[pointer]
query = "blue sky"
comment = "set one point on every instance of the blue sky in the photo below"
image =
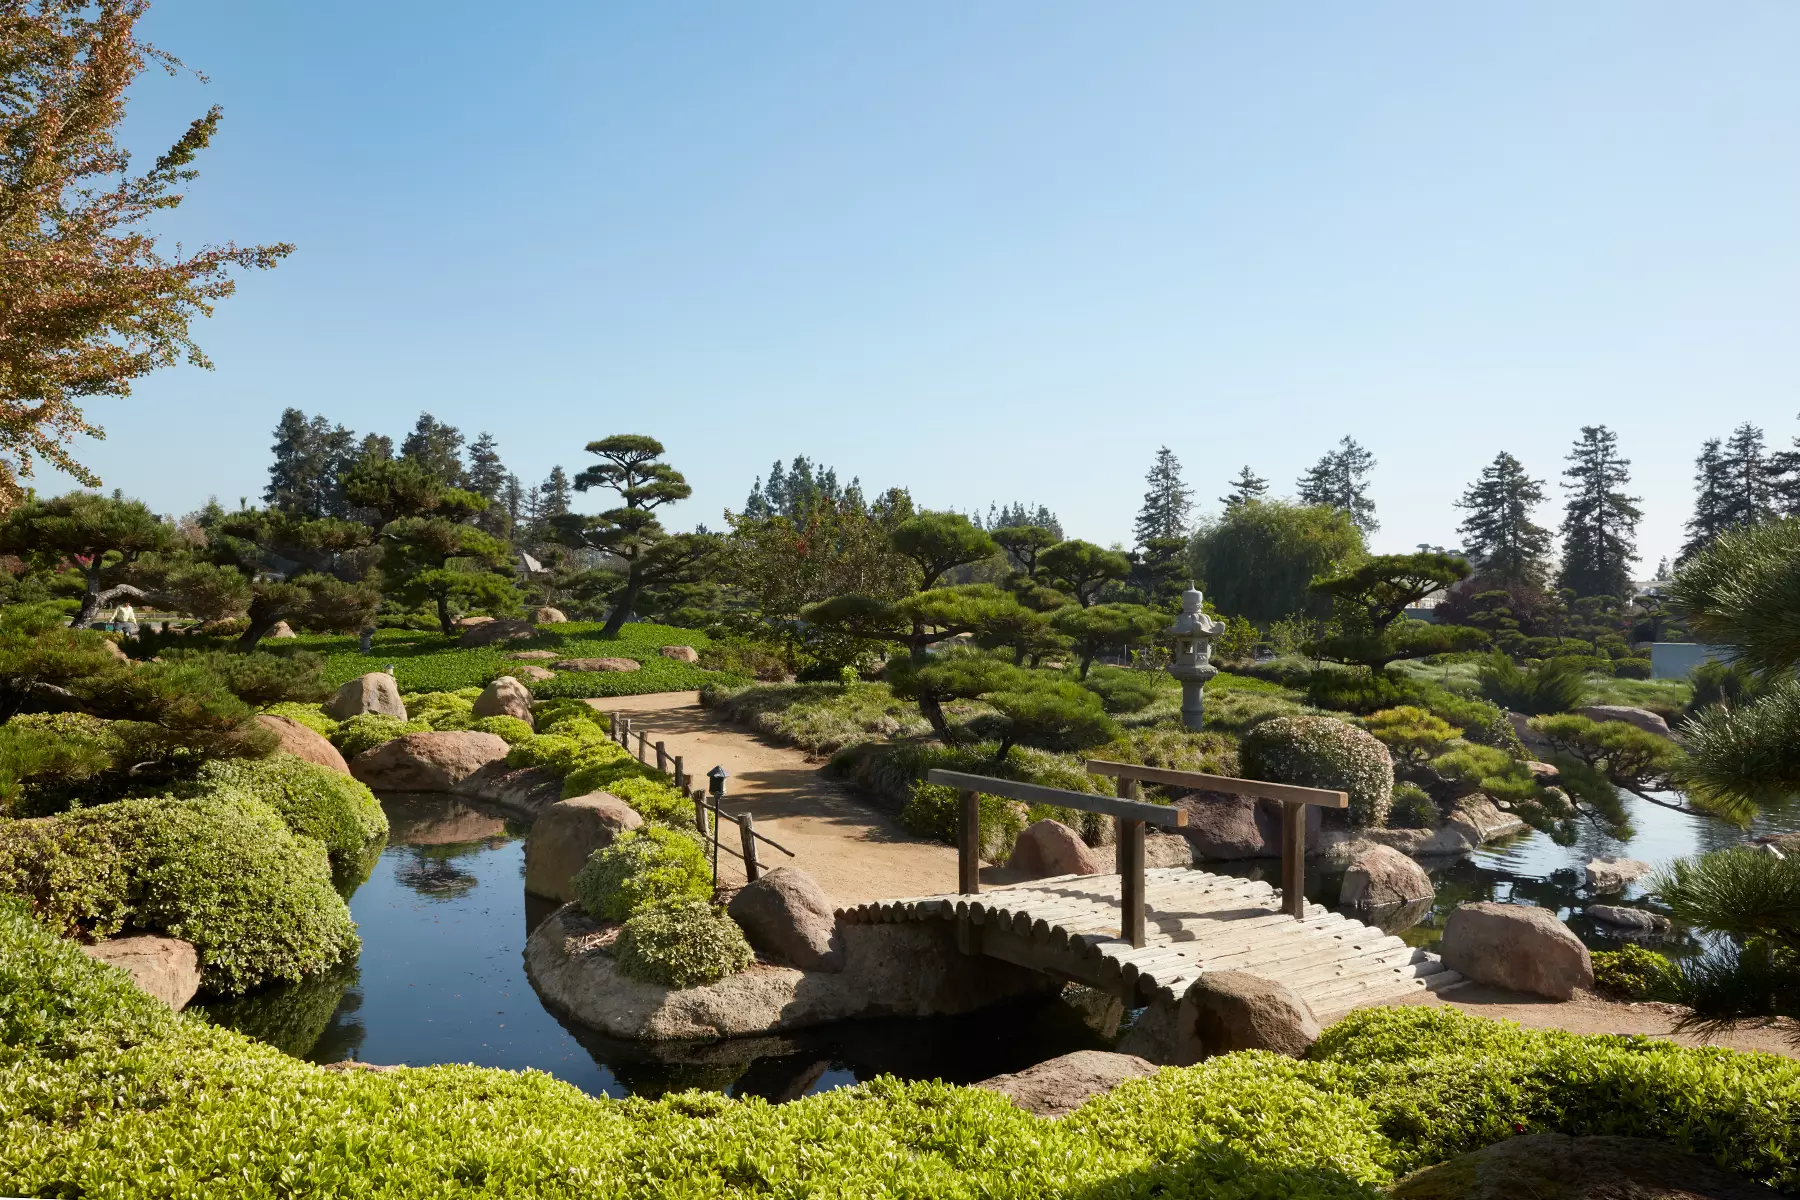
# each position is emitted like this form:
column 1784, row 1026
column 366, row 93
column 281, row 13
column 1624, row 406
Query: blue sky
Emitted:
column 991, row 252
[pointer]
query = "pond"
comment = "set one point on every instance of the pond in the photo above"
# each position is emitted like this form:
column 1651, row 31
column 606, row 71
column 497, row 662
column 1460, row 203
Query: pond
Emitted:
column 444, row 917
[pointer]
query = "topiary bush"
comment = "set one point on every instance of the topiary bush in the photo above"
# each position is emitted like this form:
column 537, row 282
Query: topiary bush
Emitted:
column 1323, row 752
column 229, row 876
column 1122, row 690
column 650, row 865
column 442, row 711
column 681, row 945
column 369, row 730
column 316, row 801
column 1631, row 668
column 510, row 729
column 1413, row 808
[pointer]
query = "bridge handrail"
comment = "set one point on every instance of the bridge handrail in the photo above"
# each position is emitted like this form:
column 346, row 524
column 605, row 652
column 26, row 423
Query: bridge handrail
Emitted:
column 1261, row 789
column 1037, row 793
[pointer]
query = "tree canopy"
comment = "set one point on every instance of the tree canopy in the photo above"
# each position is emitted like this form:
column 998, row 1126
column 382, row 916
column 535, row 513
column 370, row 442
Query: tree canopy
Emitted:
column 1259, row 558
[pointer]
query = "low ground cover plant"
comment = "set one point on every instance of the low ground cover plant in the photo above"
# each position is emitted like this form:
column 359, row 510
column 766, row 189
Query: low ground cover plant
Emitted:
column 109, row 1093
column 653, row 866
column 315, row 801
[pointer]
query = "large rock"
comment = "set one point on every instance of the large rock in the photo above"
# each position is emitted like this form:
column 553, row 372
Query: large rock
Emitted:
column 1613, row 874
column 282, row 630
column 787, row 917
column 1643, row 718
column 530, row 655
column 1224, row 827
column 1061, row 1085
column 548, row 616
column 505, row 697
column 523, row 792
column 910, row 969
column 427, row 762
column 1516, row 946
column 1381, row 876
column 1533, row 741
column 1167, row 850
column 686, row 654
column 301, row 742
column 598, row 664
column 1051, row 848
column 167, row 968
column 1482, row 821
column 376, row 692
column 489, row 632
column 563, row 836
column 1633, row 920
column 1555, row 1166
column 470, row 622
column 530, row 672
column 1220, row 1012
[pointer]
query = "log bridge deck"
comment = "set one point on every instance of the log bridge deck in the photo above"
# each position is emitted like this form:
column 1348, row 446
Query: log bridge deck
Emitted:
column 1146, row 934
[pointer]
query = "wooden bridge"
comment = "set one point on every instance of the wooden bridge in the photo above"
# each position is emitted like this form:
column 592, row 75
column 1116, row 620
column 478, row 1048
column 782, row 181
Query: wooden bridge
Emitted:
column 1146, row 934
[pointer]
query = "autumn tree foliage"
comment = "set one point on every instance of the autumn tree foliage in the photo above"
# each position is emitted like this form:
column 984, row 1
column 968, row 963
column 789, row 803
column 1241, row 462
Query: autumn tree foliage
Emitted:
column 89, row 302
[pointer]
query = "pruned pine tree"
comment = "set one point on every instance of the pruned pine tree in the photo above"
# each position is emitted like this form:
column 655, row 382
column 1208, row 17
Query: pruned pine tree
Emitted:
column 1340, row 480
column 1167, row 503
column 1710, row 503
column 1246, row 487
column 1499, row 533
column 1600, row 521
column 310, row 455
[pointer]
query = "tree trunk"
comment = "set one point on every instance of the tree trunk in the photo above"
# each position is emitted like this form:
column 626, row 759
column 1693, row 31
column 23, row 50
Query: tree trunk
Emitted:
column 622, row 610
column 1087, row 660
column 90, row 597
column 443, row 607
column 260, row 627
column 933, row 712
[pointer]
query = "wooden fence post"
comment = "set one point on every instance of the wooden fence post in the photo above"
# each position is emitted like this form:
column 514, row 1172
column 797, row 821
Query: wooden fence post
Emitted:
column 747, row 836
column 643, row 750
column 662, row 758
column 699, row 798
column 681, row 779
column 1129, row 857
column 968, row 843
column 1293, row 858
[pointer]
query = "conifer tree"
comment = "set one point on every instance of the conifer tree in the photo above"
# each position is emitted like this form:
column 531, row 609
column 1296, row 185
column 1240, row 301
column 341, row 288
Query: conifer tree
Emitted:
column 437, row 447
column 1167, row 503
column 1340, row 480
column 310, row 454
column 1246, row 487
column 553, row 496
column 1600, row 521
column 487, row 479
column 1710, row 502
column 1752, row 477
column 1499, row 533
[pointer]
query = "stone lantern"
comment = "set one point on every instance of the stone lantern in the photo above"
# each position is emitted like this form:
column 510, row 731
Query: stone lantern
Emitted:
column 1192, row 660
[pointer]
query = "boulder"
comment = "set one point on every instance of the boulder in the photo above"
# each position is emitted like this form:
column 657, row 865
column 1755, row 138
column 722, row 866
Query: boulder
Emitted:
column 1545, row 772
column 548, row 616
column 785, row 916
column 470, row 622
column 531, row 673
column 375, row 692
column 1555, row 1166
column 686, row 654
column 1534, row 741
column 505, row 697
column 1224, row 1011
column 1643, row 718
column 489, row 632
column 1380, row 876
column 533, row 655
column 563, row 836
column 1339, row 846
column 1224, row 827
column 167, row 968
column 282, row 630
column 1167, row 850
column 1635, row 920
column 113, row 648
column 598, row 664
column 1482, row 821
column 1516, row 946
column 522, row 791
column 301, row 742
column 427, row 762
column 1061, row 1085
column 1613, row 874
column 1051, row 848
column 909, row 969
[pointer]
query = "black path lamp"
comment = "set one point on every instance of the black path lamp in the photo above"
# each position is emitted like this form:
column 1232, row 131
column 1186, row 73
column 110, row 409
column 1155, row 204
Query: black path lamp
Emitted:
column 715, row 782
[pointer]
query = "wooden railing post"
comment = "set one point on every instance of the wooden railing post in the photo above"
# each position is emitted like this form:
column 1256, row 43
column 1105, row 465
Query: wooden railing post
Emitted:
column 1293, row 858
column 662, row 758
column 699, row 798
column 681, row 779
column 747, row 837
column 1129, row 856
column 643, row 749
column 622, row 729
column 968, row 842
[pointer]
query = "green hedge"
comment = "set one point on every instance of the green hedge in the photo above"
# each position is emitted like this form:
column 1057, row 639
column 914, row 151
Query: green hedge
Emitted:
column 229, row 876
column 646, row 867
column 316, row 801
column 106, row 1093
column 1324, row 752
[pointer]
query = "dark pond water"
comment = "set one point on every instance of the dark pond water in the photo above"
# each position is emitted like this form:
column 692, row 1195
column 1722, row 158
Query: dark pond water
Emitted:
column 444, row 917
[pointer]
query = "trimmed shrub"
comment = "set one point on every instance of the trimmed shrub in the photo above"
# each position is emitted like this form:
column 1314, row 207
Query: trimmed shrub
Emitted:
column 554, row 712
column 654, row 800
column 316, row 801
column 681, row 945
column 1121, row 690
column 310, row 715
column 1412, row 735
column 650, row 865
column 442, row 711
column 512, row 730
column 1413, row 808
column 1631, row 668
column 548, row 751
column 1327, row 753
column 227, row 875
column 369, row 730
column 934, row 811
column 1634, row 973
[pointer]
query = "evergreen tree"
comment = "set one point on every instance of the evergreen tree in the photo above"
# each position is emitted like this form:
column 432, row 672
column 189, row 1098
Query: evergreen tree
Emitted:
column 1246, row 487
column 487, row 479
column 310, row 454
column 1499, row 533
column 437, row 447
column 1340, row 480
column 1752, row 476
column 552, row 497
column 1600, row 521
column 512, row 502
column 1710, row 501
column 794, row 491
column 1018, row 515
column 1167, row 503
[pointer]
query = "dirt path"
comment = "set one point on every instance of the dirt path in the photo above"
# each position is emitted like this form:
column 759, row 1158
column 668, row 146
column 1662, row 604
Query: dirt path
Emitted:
column 855, row 851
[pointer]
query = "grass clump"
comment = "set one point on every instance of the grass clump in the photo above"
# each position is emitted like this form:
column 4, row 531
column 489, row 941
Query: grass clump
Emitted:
column 511, row 730
column 651, row 865
column 366, row 731
column 681, row 945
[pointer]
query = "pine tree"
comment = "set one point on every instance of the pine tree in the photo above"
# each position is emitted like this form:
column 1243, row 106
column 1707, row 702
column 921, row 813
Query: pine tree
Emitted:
column 790, row 492
column 438, row 448
column 486, row 477
column 1246, row 487
column 1752, row 476
column 553, row 496
column 1019, row 515
column 1710, row 500
column 1340, row 480
column 1499, row 533
column 512, row 503
column 1167, row 503
column 1599, row 526
column 310, row 454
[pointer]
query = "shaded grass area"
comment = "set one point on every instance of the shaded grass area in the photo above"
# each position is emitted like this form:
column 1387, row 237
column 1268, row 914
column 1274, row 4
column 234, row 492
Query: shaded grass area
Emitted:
column 108, row 1094
column 431, row 662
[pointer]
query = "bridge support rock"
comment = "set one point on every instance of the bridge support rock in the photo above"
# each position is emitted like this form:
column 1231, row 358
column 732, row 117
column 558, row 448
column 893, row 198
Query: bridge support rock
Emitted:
column 1220, row 1012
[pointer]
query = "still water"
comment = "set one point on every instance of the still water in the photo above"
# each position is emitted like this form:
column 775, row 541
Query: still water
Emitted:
column 444, row 917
